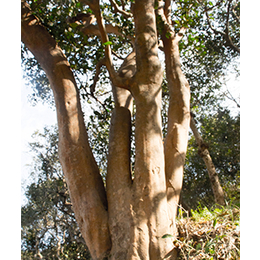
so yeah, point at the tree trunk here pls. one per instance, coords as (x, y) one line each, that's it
(205, 155)
(80, 169)
(119, 176)
(129, 218)
(178, 116)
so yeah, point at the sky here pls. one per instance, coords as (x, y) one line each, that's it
(32, 118)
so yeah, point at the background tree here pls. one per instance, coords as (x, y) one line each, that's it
(205, 155)
(129, 218)
(221, 133)
(49, 228)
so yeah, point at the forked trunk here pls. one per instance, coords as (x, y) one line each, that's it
(129, 218)
(178, 125)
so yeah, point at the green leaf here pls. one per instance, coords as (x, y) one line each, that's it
(198, 247)
(73, 25)
(107, 43)
(168, 35)
(214, 222)
(167, 236)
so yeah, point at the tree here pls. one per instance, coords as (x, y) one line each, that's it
(205, 155)
(49, 227)
(129, 216)
(221, 135)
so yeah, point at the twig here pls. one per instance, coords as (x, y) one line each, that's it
(86, 19)
(94, 6)
(119, 57)
(101, 63)
(164, 11)
(234, 13)
(226, 33)
(123, 12)
(232, 98)
(116, 80)
(211, 26)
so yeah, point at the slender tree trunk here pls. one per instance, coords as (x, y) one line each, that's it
(119, 177)
(205, 155)
(175, 145)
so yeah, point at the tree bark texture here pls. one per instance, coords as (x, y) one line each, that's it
(205, 155)
(119, 176)
(175, 144)
(128, 218)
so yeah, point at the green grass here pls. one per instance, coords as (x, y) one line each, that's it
(209, 234)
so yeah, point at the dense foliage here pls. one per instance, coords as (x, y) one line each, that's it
(206, 55)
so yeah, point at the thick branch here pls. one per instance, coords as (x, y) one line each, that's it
(116, 80)
(175, 144)
(149, 188)
(81, 172)
(98, 70)
(178, 123)
(164, 12)
(167, 11)
(147, 60)
(119, 173)
(119, 179)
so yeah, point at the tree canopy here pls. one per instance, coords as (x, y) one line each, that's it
(207, 56)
